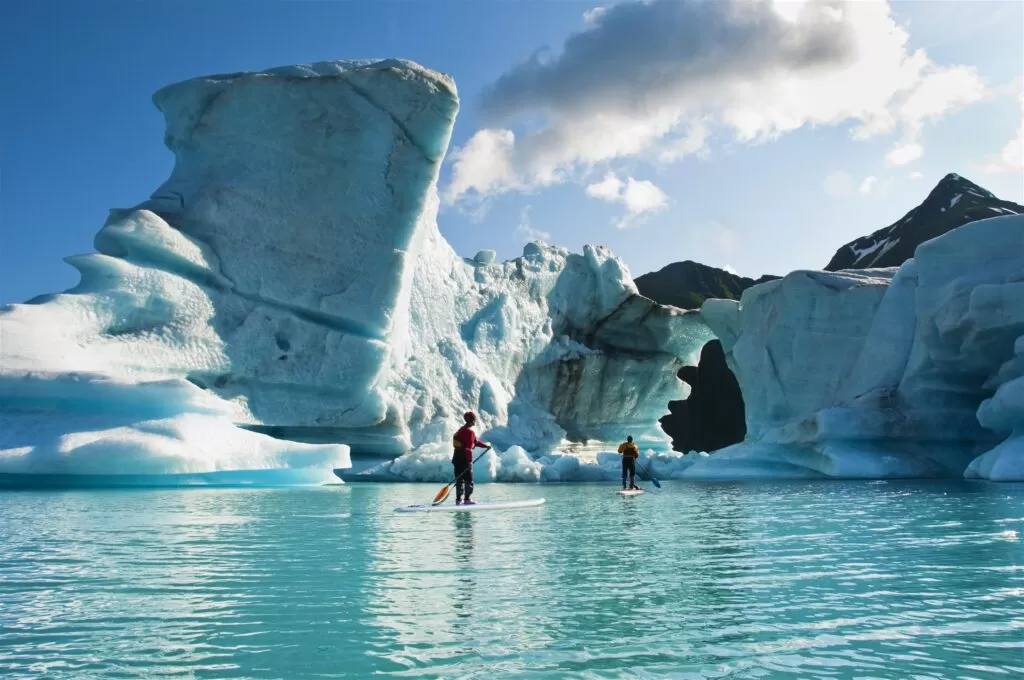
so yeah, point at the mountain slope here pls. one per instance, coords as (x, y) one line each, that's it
(687, 284)
(954, 202)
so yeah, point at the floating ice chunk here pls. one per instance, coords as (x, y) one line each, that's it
(1004, 463)
(90, 425)
(749, 462)
(433, 464)
(671, 465)
(96, 444)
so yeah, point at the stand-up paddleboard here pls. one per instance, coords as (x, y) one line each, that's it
(630, 492)
(501, 505)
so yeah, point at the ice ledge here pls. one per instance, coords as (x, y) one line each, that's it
(385, 83)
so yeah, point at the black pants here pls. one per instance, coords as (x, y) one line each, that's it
(629, 465)
(463, 476)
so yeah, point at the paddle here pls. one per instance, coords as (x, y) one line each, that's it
(654, 481)
(443, 494)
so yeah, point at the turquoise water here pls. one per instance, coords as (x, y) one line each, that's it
(829, 580)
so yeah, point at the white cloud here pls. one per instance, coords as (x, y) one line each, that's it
(651, 79)
(867, 185)
(838, 184)
(916, 175)
(525, 231)
(729, 268)
(608, 189)
(639, 197)
(1011, 158)
(903, 153)
(940, 92)
(497, 162)
(591, 16)
(483, 164)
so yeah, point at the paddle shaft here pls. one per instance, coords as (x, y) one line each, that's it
(471, 464)
(442, 496)
(654, 481)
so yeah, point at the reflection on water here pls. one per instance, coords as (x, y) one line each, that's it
(462, 537)
(837, 580)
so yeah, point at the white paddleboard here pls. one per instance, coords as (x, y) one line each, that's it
(631, 492)
(503, 505)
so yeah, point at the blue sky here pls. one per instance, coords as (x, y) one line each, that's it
(773, 148)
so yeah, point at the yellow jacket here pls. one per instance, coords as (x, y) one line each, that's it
(629, 450)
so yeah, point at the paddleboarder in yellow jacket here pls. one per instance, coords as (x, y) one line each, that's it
(629, 453)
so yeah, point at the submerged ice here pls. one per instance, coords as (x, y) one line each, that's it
(285, 296)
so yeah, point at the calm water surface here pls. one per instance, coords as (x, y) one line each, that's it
(811, 580)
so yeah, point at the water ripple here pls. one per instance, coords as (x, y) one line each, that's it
(815, 580)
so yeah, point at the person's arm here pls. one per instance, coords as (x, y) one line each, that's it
(622, 448)
(482, 445)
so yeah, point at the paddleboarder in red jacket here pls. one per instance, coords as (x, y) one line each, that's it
(464, 442)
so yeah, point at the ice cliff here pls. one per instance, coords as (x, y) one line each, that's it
(909, 372)
(286, 296)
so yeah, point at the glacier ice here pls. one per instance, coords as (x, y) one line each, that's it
(285, 300)
(915, 372)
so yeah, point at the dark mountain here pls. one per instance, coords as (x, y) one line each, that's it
(953, 202)
(687, 284)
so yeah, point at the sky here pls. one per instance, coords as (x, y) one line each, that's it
(753, 136)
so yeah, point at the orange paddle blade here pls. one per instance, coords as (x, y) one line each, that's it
(442, 495)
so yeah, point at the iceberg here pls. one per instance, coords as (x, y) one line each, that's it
(909, 372)
(285, 303)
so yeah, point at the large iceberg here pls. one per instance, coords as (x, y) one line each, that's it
(909, 372)
(285, 301)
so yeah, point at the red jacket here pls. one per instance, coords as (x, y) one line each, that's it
(465, 441)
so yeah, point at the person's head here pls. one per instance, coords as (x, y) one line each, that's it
(629, 439)
(469, 417)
